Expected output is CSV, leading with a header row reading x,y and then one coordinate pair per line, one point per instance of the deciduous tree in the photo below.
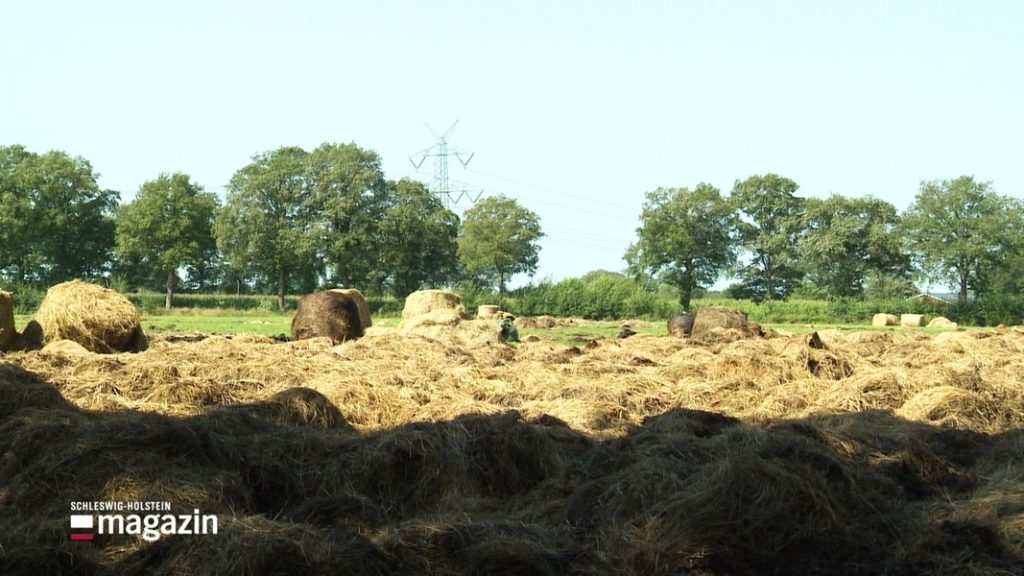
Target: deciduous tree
x,y
770,223
500,239
686,238
960,231
169,225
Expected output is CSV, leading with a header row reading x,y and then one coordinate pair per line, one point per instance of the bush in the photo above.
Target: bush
x,y
26,296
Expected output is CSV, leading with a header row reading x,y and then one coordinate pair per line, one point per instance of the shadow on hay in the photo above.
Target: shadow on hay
x,y
686,491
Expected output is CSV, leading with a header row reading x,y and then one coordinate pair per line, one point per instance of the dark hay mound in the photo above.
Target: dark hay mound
x,y
685,492
364,308
329,314
297,407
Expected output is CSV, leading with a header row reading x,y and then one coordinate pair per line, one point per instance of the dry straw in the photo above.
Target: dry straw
x,y
435,447
98,318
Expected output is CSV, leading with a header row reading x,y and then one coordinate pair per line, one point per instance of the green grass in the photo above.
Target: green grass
x,y
230,321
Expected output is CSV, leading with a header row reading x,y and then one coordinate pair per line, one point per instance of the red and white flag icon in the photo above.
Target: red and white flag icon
x,y
81,527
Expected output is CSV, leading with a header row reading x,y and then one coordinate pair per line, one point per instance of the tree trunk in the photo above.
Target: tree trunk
x,y
280,289
501,286
962,296
7,333
170,289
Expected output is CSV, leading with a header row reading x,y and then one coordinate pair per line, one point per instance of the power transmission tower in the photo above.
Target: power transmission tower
x,y
442,185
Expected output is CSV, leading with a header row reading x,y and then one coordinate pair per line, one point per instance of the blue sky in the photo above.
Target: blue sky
x,y
574,108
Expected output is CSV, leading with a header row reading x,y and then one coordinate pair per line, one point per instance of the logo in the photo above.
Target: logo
x,y
150,520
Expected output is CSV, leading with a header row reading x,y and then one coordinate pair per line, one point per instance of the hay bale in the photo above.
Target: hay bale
x,y
427,301
943,322
881,320
7,332
329,314
713,322
364,308
911,320
98,318
487,311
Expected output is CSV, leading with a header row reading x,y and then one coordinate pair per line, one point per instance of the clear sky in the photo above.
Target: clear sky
x,y
574,108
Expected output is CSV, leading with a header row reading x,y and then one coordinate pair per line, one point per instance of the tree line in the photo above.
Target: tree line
x,y
957,233
292,220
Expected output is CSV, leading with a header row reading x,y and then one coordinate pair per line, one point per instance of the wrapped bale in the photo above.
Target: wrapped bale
x,y
98,318
364,308
881,320
330,314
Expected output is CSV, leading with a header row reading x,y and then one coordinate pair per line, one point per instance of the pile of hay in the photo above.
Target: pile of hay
x,y
329,314
429,301
722,324
98,318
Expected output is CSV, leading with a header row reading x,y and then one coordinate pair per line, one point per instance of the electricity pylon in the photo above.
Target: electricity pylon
x,y
442,185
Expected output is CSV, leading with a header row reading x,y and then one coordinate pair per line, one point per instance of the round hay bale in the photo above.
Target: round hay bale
x,y
7,332
364,308
943,322
426,301
98,318
911,320
329,314
487,311
882,320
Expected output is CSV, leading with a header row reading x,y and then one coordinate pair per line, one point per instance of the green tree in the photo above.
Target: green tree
x,y
169,225
55,222
419,239
499,239
268,225
770,224
960,231
846,239
685,238
350,195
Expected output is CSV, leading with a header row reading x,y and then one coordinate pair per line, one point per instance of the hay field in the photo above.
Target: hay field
x,y
445,451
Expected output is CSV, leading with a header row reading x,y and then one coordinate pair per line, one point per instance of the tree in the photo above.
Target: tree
x,y
960,231
56,222
419,239
349,192
845,240
169,225
685,238
267,224
768,230
500,239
